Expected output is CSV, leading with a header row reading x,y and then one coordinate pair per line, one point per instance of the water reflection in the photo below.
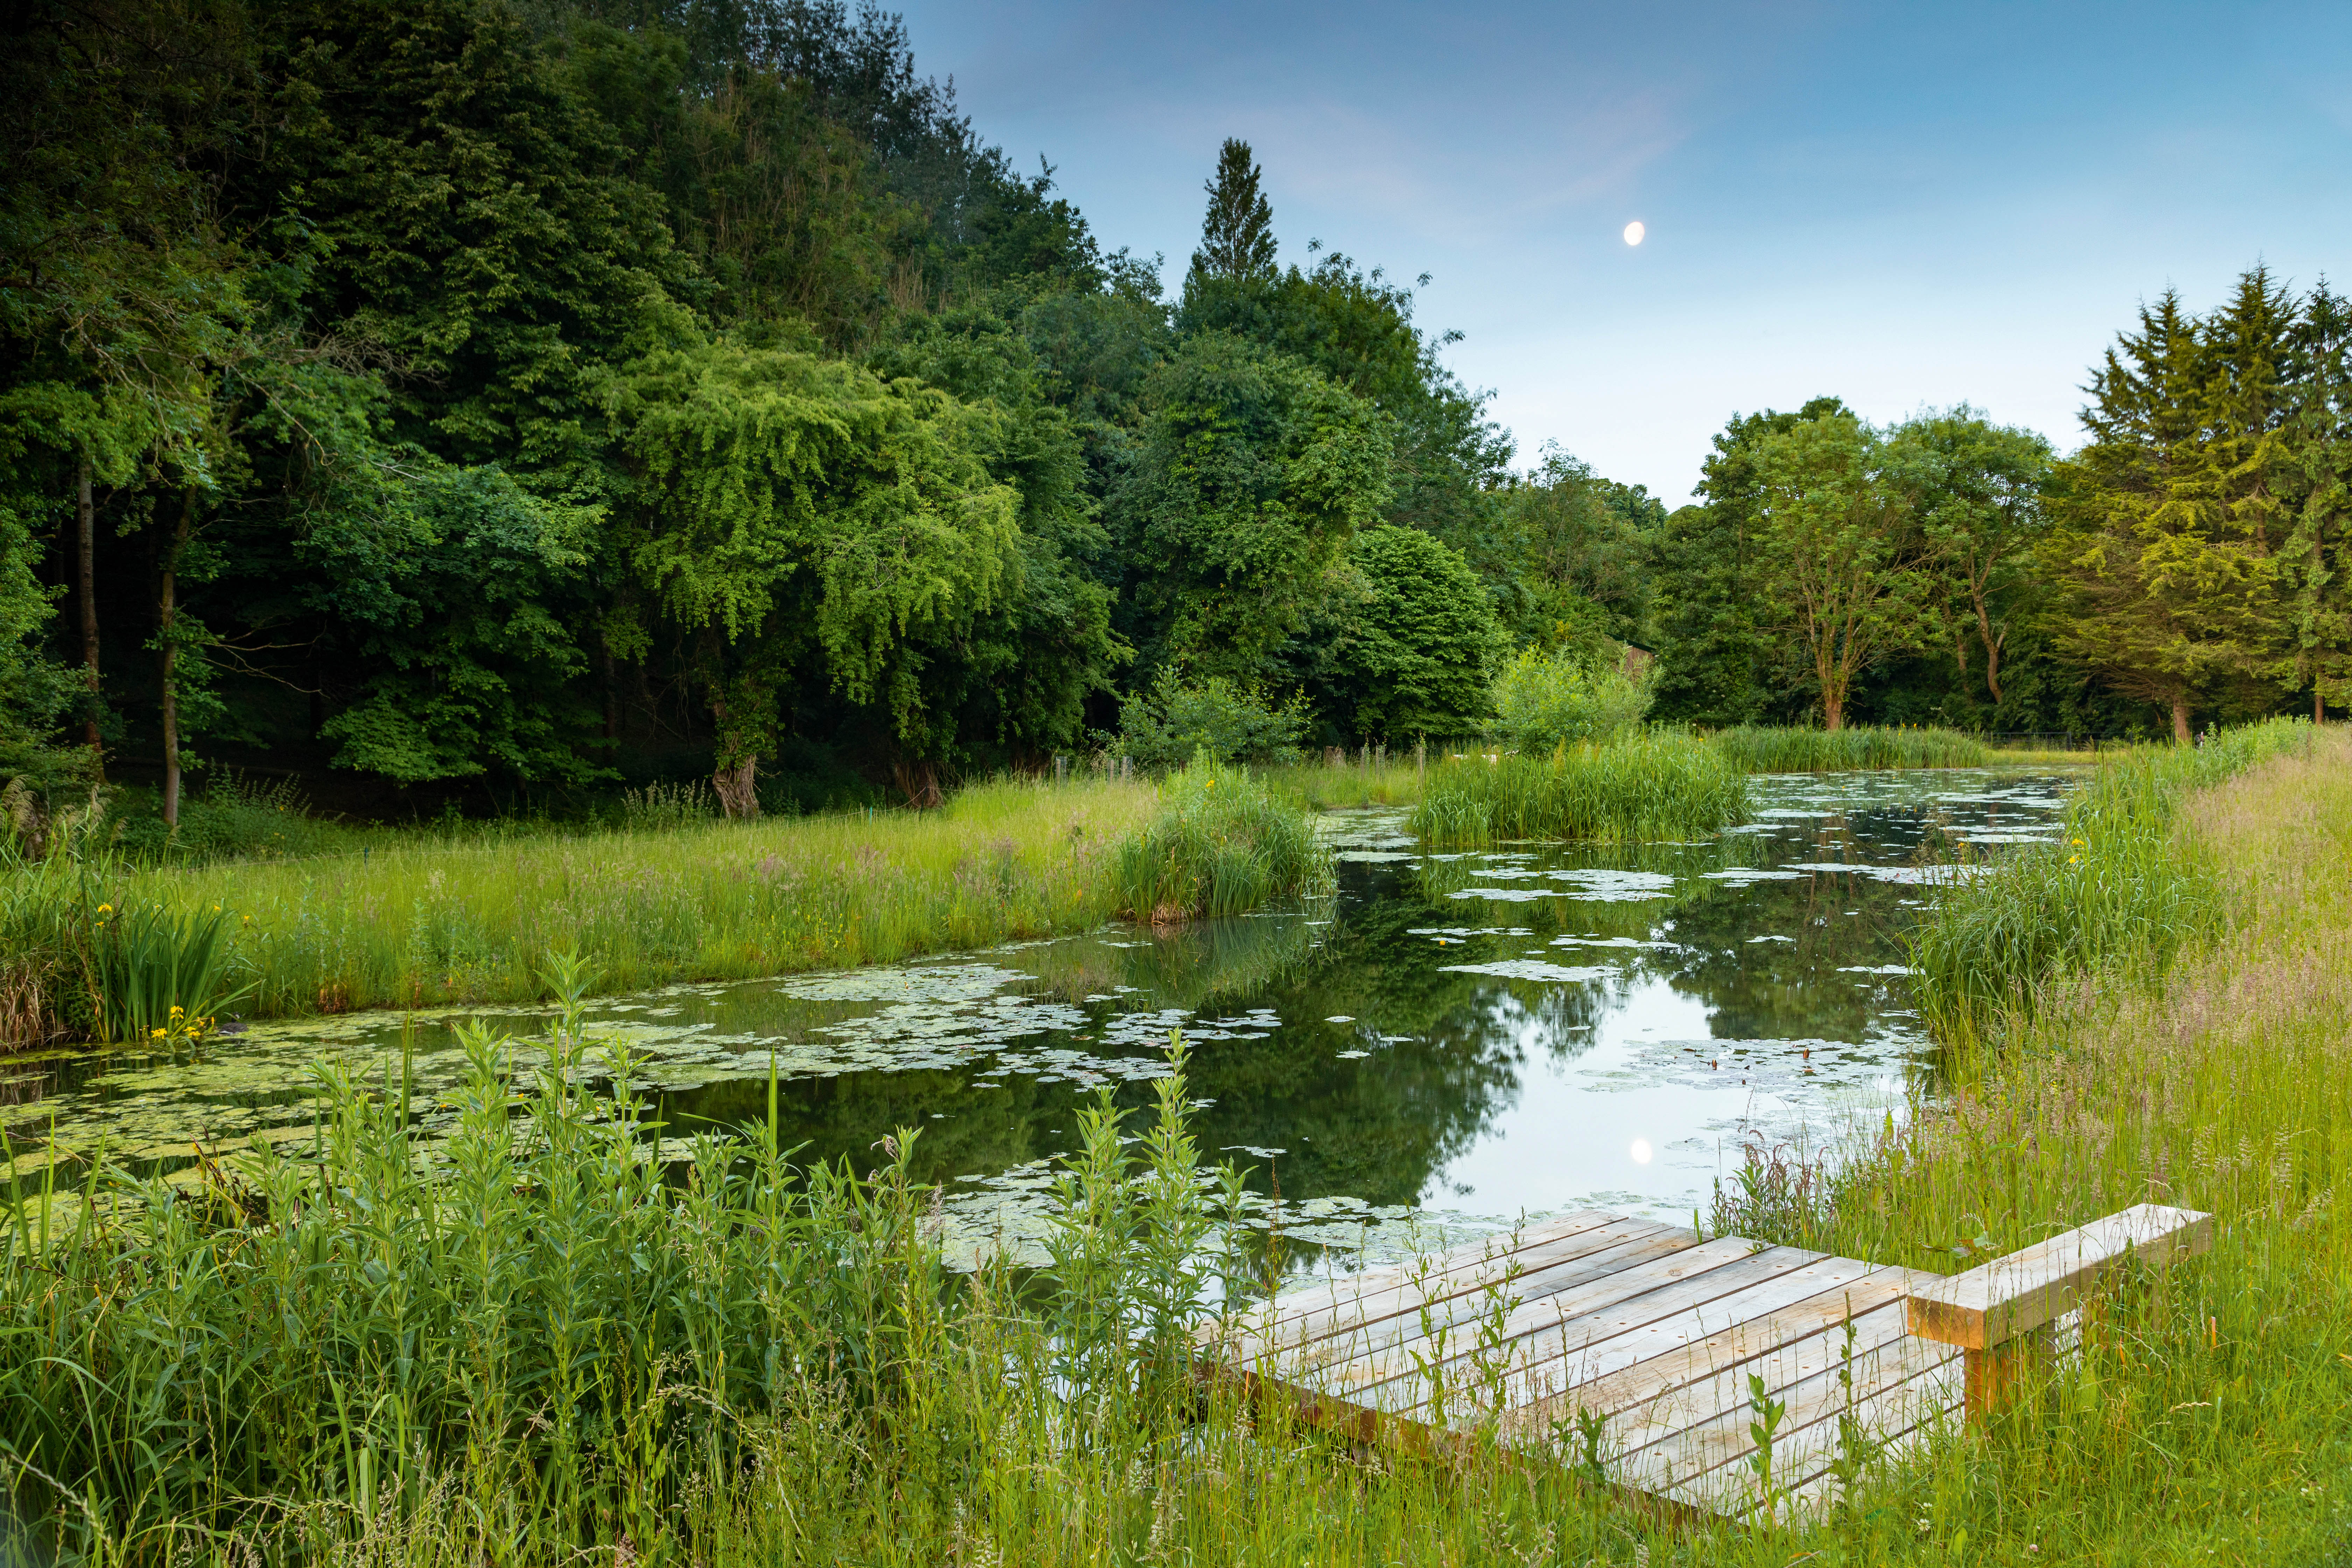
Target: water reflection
x,y
1520,1030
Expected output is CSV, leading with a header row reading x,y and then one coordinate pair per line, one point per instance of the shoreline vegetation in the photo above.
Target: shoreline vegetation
x,y
547,1350
324,917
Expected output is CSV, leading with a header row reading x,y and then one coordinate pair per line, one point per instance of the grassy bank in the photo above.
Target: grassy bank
x,y
1766,749
2194,1058
423,920
2121,890
1639,787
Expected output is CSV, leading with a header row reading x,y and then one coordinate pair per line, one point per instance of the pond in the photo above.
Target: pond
x,y
1451,1043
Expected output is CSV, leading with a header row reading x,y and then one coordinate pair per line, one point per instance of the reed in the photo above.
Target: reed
x,y
1223,844
1642,786
1772,749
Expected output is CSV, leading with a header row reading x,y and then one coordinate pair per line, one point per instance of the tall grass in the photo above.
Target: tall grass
x,y
546,1351
1639,787
2121,889
542,1344
1223,844
424,920
1771,749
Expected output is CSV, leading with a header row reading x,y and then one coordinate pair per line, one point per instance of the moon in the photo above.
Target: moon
x,y
1639,1151
1634,231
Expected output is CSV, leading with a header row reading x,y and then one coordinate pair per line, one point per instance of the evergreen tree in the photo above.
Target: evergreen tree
x,y
2317,556
1237,235
2173,518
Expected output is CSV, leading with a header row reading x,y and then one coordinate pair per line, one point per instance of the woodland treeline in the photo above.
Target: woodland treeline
x,y
493,400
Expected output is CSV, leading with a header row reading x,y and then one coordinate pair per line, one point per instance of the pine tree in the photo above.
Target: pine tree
x,y
1237,235
2317,555
2172,519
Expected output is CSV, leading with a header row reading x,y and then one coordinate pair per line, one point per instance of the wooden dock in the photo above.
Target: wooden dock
x,y
1635,1344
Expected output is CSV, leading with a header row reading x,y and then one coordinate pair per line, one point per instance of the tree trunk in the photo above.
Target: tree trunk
x,y
2318,707
2180,731
167,615
86,536
739,795
612,701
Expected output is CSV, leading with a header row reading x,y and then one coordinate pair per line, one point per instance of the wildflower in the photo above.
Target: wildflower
x,y
2073,859
106,909
157,1033
2078,844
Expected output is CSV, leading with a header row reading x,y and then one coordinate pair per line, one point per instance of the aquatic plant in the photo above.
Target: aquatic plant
x,y
1223,844
1772,749
2119,890
1640,786
159,975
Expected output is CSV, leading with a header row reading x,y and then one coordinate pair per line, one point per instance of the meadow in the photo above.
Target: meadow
x,y
427,918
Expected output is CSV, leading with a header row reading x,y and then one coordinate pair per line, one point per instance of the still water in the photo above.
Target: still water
x,y
1451,1043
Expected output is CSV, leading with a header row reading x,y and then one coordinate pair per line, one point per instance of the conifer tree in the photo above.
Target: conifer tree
x,y
1237,235
2318,553
2172,519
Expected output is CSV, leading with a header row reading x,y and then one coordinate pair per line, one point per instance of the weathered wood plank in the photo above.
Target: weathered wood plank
x,y
1730,1346
1910,1381
1557,1376
1999,1301
1272,1315
1680,1407
1569,1291
1551,1329
1456,1273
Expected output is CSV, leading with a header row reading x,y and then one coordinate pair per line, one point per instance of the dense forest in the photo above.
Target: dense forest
x,y
475,404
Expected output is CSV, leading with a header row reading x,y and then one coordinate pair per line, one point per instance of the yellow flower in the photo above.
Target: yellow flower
x,y
2073,859
106,909
159,1033
2078,844
216,908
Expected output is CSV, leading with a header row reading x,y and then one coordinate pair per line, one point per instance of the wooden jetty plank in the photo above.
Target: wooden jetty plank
x,y
1579,1363
1466,1275
2000,1300
1547,1296
1729,1346
1550,1328
1928,1389
1724,1436
1678,1408
1272,1315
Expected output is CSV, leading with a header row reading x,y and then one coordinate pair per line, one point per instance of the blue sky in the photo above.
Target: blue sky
x,y
1905,205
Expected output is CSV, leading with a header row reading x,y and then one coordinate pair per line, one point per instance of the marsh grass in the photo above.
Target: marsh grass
x,y
423,920
1644,786
1772,749
2122,890
1223,843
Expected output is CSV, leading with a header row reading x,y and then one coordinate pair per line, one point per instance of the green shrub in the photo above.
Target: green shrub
x,y
1638,788
1164,727
2118,890
1545,699
1772,749
1223,844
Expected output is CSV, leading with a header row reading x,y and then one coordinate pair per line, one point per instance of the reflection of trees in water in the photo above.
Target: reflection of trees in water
x,y
1374,1128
